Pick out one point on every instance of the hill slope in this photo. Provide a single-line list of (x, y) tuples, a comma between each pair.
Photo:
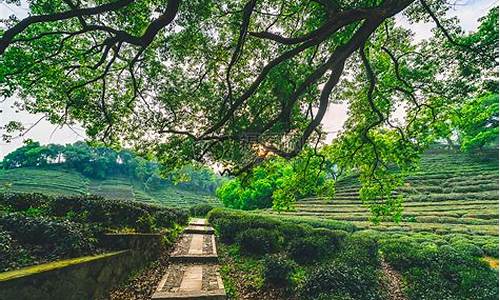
[(451, 192), (58, 181)]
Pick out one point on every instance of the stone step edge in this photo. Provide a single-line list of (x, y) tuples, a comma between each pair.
[(212, 295), (199, 259), (197, 229), (218, 294), (197, 222)]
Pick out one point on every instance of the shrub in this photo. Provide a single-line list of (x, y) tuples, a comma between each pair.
[(12, 255), (227, 230), (165, 218), (441, 273), (115, 213), (467, 248), (7, 251), (200, 210), (399, 253), (291, 232), (182, 215), (342, 280), (145, 223), (56, 236), (334, 239), (362, 250), (306, 250), (21, 202), (277, 270), (491, 249), (230, 223), (258, 241)]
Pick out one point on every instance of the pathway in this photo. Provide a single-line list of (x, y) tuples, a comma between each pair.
[(194, 271)]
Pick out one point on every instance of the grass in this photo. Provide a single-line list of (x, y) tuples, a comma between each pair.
[(59, 181)]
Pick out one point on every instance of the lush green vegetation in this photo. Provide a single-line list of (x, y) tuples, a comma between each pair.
[(101, 163), (450, 192), (60, 181), (245, 85), (35, 228), (277, 183), (257, 78), (291, 259)]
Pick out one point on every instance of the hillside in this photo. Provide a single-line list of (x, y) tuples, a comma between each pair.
[(450, 193), (59, 181)]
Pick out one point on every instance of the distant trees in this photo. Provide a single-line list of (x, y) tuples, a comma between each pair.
[(103, 162)]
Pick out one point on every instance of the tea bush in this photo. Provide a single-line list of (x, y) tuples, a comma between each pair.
[(200, 210), (59, 237), (307, 250), (342, 280), (441, 272), (109, 213), (277, 270), (258, 241), (36, 227), (17, 202)]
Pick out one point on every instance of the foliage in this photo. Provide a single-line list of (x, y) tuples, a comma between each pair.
[(278, 270), (94, 209), (37, 228), (278, 183), (343, 280), (57, 180), (353, 274), (307, 250), (449, 193), (244, 81), (258, 241), (441, 272), (55, 236), (103, 162), (11, 255), (477, 122), (200, 210)]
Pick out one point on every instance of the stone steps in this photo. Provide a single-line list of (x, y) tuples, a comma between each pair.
[(194, 271), (199, 229)]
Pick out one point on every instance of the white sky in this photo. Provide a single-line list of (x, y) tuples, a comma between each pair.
[(468, 11)]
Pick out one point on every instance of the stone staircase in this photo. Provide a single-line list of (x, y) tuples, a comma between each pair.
[(194, 271)]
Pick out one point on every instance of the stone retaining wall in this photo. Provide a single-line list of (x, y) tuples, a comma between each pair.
[(149, 243), (83, 278)]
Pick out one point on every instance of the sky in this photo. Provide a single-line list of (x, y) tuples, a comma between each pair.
[(468, 12)]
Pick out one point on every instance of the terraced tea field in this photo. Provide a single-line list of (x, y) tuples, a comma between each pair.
[(450, 193), (66, 182)]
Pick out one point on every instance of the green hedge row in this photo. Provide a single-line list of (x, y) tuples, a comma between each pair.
[(36, 228), (108, 213), (335, 264), (338, 264), (433, 272)]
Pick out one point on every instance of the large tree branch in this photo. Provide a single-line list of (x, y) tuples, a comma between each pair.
[(118, 35), (9, 34), (377, 14)]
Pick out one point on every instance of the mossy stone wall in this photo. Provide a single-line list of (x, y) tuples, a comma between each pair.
[(80, 278)]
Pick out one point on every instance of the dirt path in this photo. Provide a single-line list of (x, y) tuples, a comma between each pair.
[(394, 282)]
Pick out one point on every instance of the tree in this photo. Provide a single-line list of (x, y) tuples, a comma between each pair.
[(477, 122), (29, 155), (278, 183), (208, 80)]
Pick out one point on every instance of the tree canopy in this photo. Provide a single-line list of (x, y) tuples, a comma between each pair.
[(220, 81)]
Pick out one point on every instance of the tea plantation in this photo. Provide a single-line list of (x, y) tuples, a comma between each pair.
[(450, 193), (60, 181)]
